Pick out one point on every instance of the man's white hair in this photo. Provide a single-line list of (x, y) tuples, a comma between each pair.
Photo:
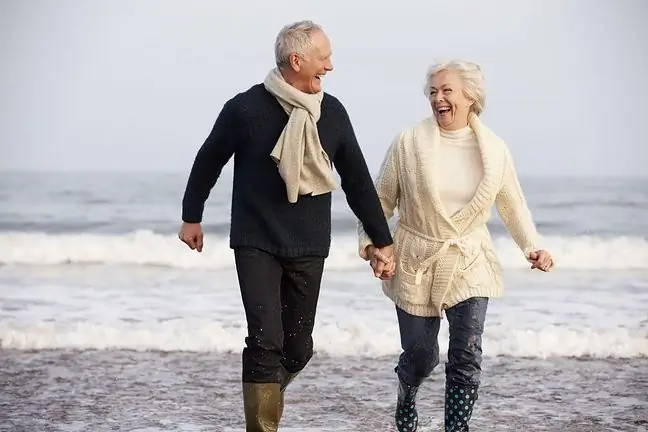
[(471, 77), (294, 38)]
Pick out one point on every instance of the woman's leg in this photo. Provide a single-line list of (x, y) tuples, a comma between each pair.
[(419, 340), (463, 370)]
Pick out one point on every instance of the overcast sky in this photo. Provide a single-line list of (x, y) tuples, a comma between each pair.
[(137, 84)]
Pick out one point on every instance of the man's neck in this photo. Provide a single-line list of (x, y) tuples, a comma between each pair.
[(291, 78)]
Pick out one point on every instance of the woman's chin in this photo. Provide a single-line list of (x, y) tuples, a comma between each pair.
[(444, 121)]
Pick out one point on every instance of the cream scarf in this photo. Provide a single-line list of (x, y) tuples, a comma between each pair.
[(303, 164)]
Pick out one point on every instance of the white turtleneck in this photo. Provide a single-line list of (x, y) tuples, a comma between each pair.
[(460, 168)]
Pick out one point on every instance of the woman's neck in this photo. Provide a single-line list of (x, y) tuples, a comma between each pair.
[(463, 136), (455, 125)]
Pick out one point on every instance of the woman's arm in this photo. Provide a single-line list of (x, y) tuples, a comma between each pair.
[(514, 211), (388, 190)]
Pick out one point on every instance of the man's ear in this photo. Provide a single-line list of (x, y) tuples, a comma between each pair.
[(295, 62)]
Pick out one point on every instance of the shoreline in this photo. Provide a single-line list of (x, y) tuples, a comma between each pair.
[(100, 389)]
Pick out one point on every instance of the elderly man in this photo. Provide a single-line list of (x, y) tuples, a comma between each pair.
[(286, 134)]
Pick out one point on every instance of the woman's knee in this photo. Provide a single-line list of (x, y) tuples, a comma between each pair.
[(420, 362), (465, 359), (463, 367), (466, 322), (426, 361)]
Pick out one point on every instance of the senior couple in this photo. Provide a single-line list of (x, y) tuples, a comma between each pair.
[(443, 175)]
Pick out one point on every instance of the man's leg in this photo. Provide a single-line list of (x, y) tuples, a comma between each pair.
[(300, 288), (463, 370), (419, 340), (259, 275)]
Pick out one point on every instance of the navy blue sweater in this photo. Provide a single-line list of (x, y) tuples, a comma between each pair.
[(248, 128)]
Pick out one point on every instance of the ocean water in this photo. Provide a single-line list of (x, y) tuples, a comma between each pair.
[(108, 322)]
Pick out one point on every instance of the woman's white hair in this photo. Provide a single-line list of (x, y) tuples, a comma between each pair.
[(471, 77), (294, 38)]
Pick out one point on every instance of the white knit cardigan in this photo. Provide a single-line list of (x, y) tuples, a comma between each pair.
[(444, 259)]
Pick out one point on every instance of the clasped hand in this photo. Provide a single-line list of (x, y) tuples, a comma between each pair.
[(382, 261)]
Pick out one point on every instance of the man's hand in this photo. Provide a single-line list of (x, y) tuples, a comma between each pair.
[(382, 261), (191, 234)]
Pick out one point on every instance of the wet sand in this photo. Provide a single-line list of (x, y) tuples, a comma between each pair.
[(98, 391)]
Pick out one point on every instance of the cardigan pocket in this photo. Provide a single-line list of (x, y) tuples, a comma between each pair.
[(411, 291), (413, 274)]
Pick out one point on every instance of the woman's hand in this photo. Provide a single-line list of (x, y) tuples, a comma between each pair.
[(382, 261), (541, 260)]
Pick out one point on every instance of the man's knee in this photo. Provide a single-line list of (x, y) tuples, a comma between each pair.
[(261, 360), (296, 355)]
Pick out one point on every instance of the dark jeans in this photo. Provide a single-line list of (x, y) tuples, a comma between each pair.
[(280, 298), (419, 340)]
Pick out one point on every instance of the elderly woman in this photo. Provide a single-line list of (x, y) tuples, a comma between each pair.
[(443, 175)]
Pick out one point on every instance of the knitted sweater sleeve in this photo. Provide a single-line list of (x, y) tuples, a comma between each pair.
[(358, 187), (514, 211), (213, 155), (388, 188)]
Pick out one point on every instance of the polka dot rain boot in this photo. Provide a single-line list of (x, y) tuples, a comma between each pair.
[(406, 415), (459, 404)]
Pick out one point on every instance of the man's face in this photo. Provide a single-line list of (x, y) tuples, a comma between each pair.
[(311, 68)]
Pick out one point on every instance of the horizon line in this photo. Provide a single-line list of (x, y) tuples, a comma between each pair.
[(225, 172)]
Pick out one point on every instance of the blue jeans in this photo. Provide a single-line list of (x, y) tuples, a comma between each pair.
[(419, 340)]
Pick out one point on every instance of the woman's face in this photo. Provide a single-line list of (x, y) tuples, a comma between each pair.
[(449, 103)]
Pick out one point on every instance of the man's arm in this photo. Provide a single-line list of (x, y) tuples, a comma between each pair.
[(358, 186), (212, 156), (388, 189)]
